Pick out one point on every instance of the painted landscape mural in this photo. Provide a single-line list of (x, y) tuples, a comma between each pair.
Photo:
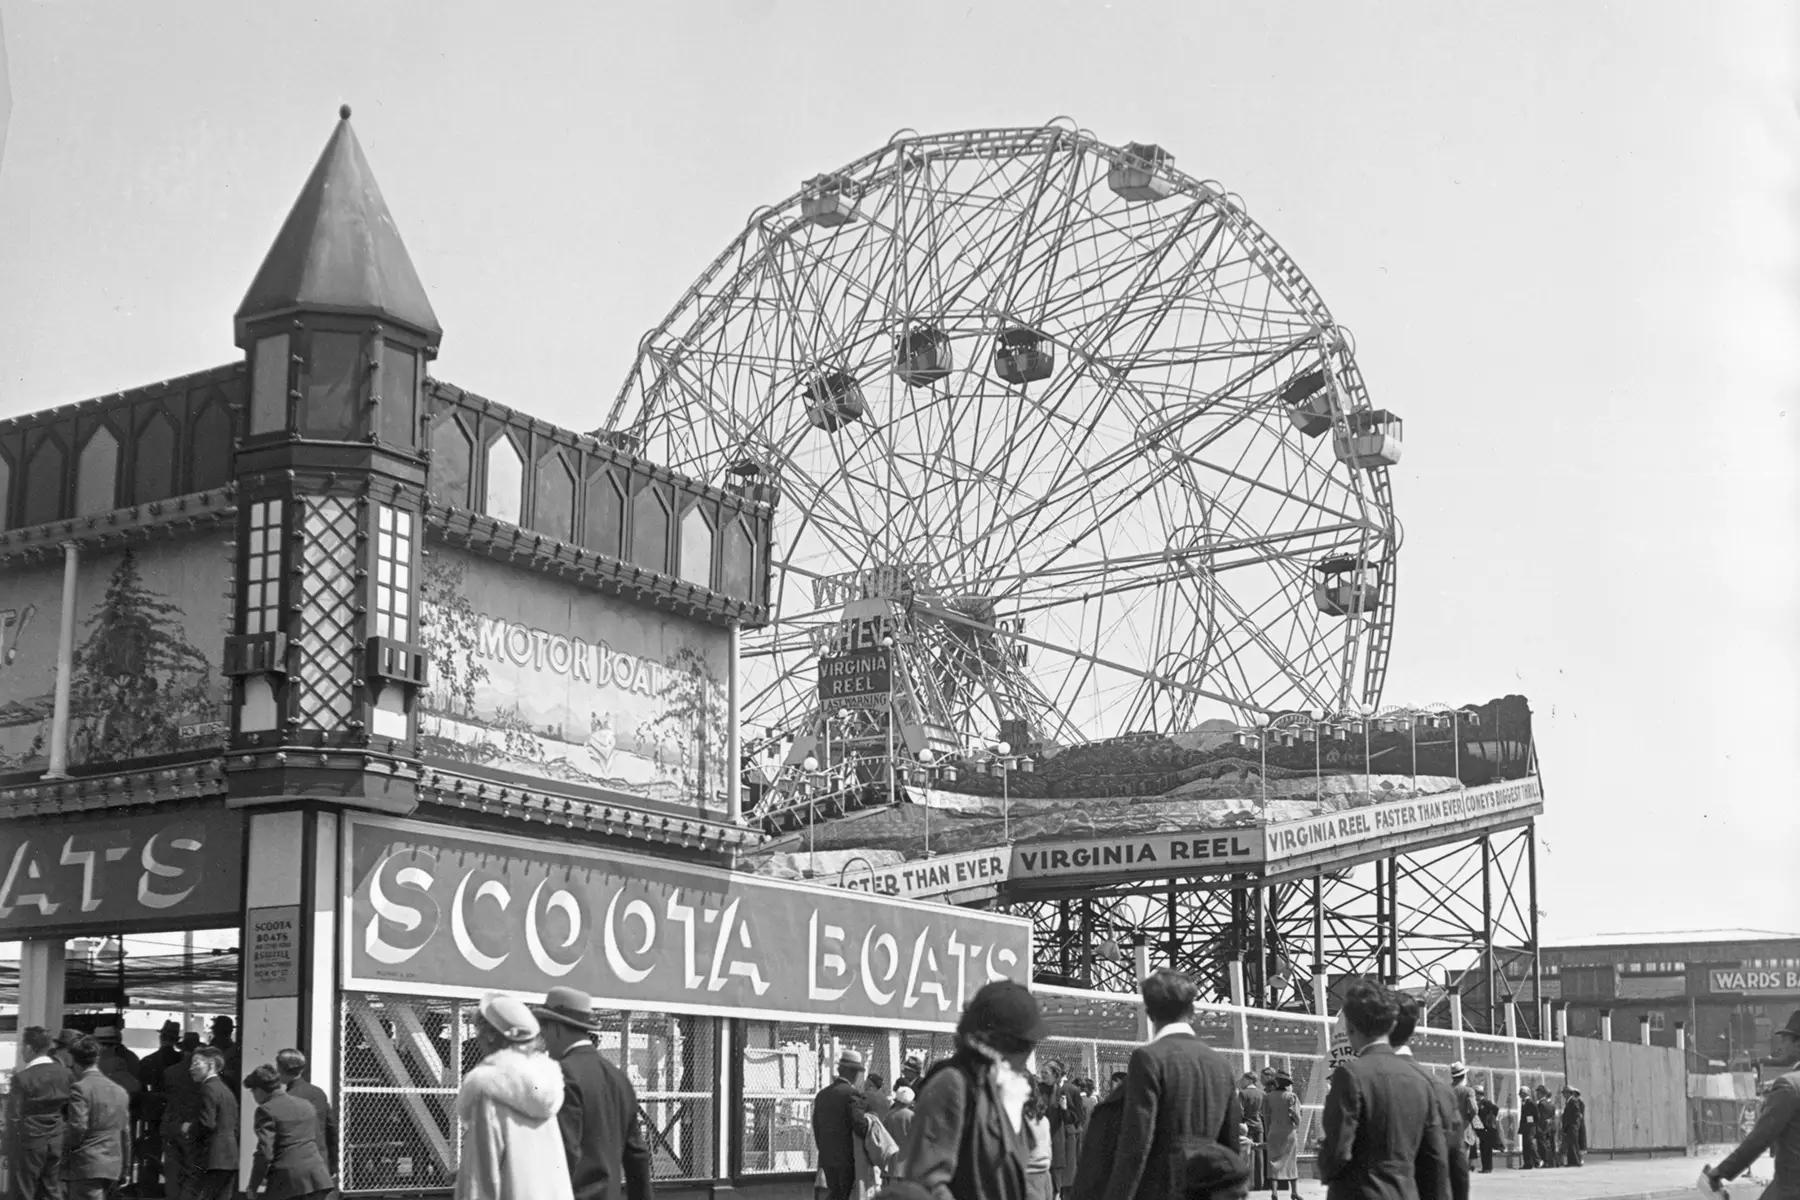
[(149, 630), (554, 682)]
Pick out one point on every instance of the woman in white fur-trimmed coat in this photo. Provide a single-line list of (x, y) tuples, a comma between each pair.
[(512, 1147)]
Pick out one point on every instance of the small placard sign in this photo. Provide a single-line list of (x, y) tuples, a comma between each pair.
[(272, 968)]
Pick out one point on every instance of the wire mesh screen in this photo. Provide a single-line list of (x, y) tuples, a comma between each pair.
[(785, 1064), (404, 1058)]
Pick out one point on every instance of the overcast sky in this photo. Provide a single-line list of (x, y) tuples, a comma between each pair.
[(1563, 234)]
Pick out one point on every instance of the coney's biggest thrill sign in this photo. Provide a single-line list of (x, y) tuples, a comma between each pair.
[(437, 911)]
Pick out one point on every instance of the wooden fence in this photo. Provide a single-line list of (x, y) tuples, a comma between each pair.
[(1636, 1095)]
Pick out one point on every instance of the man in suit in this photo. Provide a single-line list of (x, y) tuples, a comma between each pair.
[(213, 1133), (1777, 1128), (840, 1118), (34, 1117), (599, 1119), (181, 1108), (287, 1156), (291, 1064), (1528, 1131), (150, 1105), (1383, 1139), (1546, 1114), (1456, 1144), (97, 1149), (1178, 1093)]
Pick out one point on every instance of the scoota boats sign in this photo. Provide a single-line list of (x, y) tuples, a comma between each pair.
[(444, 912)]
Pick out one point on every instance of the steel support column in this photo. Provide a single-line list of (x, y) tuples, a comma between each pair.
[(1487, 925)]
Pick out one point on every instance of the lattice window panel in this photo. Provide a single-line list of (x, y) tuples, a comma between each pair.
[(327, 640)]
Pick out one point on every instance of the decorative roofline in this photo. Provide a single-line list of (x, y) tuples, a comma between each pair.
[(508, 543), (124, 789), (136, 395), (178, 516), (464, 792)]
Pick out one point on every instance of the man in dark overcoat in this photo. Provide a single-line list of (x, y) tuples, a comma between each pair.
[(1178, 1092), (1384, 1139), (602, 1136), (840, 1118)]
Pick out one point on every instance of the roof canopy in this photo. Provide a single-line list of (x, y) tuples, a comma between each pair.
[(339, 250)]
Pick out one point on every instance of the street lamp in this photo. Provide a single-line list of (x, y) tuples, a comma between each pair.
[(811, 767), (928, 766), (1006, 759)]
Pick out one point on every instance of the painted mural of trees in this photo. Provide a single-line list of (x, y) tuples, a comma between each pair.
[(447, 632), (691, 721), (137, 677)]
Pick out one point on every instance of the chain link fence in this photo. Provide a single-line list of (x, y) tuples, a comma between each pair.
[(404, 1058)]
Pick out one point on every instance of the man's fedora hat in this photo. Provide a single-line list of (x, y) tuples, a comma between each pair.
[(1792, 1028), (568, 1006)]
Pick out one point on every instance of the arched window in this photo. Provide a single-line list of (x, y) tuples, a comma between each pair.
[(696, 548), (451, 451), (604, 519), (553, 508), (153, 472), (505, 481), (212, 447), (650, 530), (97, 474), (44, 481)]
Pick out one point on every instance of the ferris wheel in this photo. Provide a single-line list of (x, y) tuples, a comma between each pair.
[(1059, 422)]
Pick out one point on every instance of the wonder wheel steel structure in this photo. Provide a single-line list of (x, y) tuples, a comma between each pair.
[(1059, 423)]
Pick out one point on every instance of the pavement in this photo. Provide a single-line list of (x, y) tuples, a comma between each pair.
[(1602, 1179), (1618, 1179)]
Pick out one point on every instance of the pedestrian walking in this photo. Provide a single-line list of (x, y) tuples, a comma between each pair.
[(212, 1135), (1281, 1134), (899, 1120), (1068, 1118), (512, 1148), (1178, 1092), (1384, 1139), (1251, 1098), (1574, 1126), (288, 1161), (1449, 1103), (1777, 1128), (968, 1138), (181, 1109), (97, 1146), (1038, 1158), (152, 1106), (1098, 1145), (912, 1071), (840, 1119), (291, 1064), (875, 1094), (1528, 1131), (603, 1139), (34, 1116), (1546, 1127), (1489, 1134), (1466, 1111)]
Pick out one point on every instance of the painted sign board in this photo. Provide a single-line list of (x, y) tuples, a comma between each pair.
[(74, 875), (1444, 812), (555, 683), (436, 911), (1152, 854), (272, 964), (150, 626), (1739, 982), (939, 876), (859, 679)]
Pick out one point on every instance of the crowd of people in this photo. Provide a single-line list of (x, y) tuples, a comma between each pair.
[(1176, 1125), (88, 1119)]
